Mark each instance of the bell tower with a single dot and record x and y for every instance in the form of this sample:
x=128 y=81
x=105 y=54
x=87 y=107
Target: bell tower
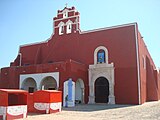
x=66 y=21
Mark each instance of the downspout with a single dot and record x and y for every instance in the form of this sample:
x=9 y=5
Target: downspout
x=138 y=65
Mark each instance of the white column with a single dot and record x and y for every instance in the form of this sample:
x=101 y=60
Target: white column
x=111 y=89
x=111 y=94
x=91 y=89
x=91 y=95
x=82 y=97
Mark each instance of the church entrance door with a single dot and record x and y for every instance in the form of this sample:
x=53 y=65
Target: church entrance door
x=101 y=90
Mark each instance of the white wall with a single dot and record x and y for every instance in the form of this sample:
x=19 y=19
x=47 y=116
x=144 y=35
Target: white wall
x=38 y=77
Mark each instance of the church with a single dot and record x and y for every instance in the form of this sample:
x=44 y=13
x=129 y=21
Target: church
x=108 y=65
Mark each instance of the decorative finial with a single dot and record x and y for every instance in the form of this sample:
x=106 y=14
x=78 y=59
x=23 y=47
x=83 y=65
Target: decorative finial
x=66 y=4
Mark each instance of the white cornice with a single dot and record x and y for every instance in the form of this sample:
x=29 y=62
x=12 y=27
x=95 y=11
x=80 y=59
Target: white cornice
x=107 y=28
x=66 y=18
x=138 y=65
x=82 y=32
x=36 y=42
x=33 y=43
x=65 y=24
x=66 y=10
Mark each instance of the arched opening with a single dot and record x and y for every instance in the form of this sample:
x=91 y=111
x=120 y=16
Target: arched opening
x=65 y=14
x=101 y=56
x=30 y=85
x=69 y=26
x=48 y=83
x=61 y=28
x=79 y=91
x=101 y=90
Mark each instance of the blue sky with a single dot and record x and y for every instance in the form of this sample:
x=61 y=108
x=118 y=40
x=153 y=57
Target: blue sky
x=29 y=21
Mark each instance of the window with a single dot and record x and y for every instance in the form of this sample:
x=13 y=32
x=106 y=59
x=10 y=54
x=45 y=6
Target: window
x=101 y=56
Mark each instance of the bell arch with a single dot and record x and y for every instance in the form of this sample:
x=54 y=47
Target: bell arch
x=61 y=28
x=69 y=26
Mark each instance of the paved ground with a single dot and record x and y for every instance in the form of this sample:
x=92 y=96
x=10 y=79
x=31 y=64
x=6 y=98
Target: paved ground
x=147 y=111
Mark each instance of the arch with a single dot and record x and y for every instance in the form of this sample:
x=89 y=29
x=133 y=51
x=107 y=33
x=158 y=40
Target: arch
x=48 y=83
x=69 y=26
x=100 y=48
x=79 y=91
x=101 y=90
x=65 y=13
x=29 y=84
x=61 y=28
x=103 y=75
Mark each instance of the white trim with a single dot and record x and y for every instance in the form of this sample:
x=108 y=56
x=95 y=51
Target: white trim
x=101 y=70
x=61 y=28
x=66 y=25
x=29 y=44
x=96 y=51
x=69 y=21
x=67 y=11
x=138 y=66
x=38 y=77
x=60 y=24
x=107 y=28
x=69 y=26
x=81 y=32
x=66 y=18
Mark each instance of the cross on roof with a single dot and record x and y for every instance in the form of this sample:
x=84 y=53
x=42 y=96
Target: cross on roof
x=66 y=4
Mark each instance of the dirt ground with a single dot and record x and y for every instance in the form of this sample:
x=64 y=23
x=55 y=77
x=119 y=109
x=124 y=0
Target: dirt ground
x=147 y=111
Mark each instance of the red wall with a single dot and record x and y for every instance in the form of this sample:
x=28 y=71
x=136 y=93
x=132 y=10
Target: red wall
x=73 y=53
x=67 y=69
x=80 y=47
x=149 y=81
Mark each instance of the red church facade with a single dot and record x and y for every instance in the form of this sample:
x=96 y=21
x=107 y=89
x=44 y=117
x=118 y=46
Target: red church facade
x=109 y=65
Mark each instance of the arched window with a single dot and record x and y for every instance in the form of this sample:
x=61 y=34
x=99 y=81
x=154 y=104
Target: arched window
x=61 y=28
x=101 y=56
x=69 y=26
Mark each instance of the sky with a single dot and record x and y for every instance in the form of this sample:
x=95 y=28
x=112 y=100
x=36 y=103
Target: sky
x=29 y=21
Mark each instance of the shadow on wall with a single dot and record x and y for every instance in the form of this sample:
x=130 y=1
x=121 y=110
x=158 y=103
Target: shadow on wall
x=94 y=107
